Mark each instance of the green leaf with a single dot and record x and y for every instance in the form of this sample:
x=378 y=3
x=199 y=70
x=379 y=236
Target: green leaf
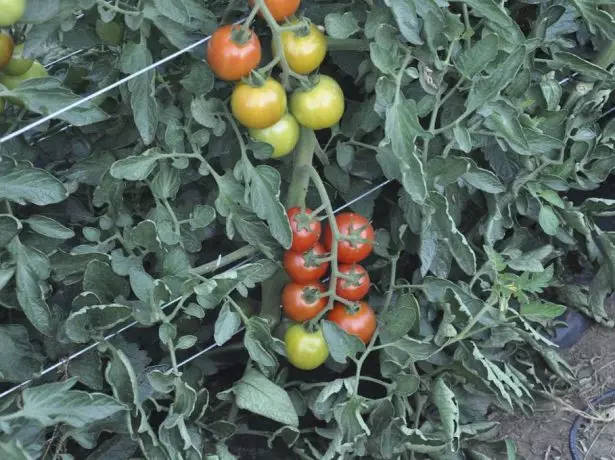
x=120 y=374
x=341 y=25
x=202 y=216
x=186 y=342
x=541 y=311
x=580 y=65
x=406 y=384
x=402 y=128
x=200 y=79
x=531 y=261
x=472 y=60
x=503 y=119
x=597 y=19
x=548 y=220
x=19 y=359
x=400 y=318
x=265 y=184
x=448 y=409
x=498 y=19
x=259 y=395
x=463 y=138
x=487 y=88
x=54 y=403
x=259 y=342
x=136 y=167
x=227 y=324
x=341 y=344
x=482 y=179
x=407 y=20
x=89 y=322
x=49 y=227
x=166 y=182
x=22 y=183
x=9 y=228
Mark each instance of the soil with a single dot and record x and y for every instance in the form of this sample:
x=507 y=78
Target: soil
x=544 y=435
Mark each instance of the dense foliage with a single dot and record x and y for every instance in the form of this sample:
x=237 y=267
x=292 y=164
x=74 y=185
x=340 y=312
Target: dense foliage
x=484 y=118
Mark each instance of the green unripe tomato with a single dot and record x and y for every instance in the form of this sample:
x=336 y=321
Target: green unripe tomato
x=320 y=106
x=36 y=71
x=11 y=11
x=18 y=65
x=282 y=136
x=304 y=349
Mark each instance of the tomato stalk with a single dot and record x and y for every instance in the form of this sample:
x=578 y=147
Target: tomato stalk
x=300 y=179
x=276 y=32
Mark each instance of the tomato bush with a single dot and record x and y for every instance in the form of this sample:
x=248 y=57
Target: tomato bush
x=472 y=142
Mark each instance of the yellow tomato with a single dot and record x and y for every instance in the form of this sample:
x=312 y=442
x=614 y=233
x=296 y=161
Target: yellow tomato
x=319 y=107
x=282 y=136
x=6 y=49
x=11 y=11
x=304 y=52
x=18 y=65
x=259 y=106
x=304 y=349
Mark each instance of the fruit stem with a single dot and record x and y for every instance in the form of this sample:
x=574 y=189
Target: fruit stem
x=300 y=179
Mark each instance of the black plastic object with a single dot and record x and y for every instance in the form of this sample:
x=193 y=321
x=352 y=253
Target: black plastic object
x=569 y=334
x=574 y=430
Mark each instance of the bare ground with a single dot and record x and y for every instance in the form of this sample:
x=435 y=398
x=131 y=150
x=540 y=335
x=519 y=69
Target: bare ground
x=544 y=435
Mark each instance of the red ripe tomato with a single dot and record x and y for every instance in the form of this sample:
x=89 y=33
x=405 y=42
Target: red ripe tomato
x=303 y=267
x=354 y=289
x=230 y=58
x=357 y=237
x=280 y=9
x=359 y=320
x=303 y=301
x=306 y=229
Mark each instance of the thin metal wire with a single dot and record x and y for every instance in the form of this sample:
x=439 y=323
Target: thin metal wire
x=106 y=89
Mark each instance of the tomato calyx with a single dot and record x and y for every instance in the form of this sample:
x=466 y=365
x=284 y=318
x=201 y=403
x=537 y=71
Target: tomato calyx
x=303 y=220
x=354 y=235
x=300 y=28
x=352 y=308
x=312 y=294
x=314 y=260
x=353 y=277
x=256 y=79
x=241 y=35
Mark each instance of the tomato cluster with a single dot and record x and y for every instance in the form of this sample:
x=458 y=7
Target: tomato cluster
x=305 y=297
x=259 y=102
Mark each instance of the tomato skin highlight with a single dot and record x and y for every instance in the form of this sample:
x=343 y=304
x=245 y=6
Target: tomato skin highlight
x=361 y=323
x=295 y=264
x=304 y=53
x=229 y=59
x=300 y=301
x=259 y=107
x=303 y=238
x=304 y=349
x=319 y=107
x=7 y=47
x=11 y=11
x=282 y=136
x=348 y=289
x=350 y=224
x=280 y=9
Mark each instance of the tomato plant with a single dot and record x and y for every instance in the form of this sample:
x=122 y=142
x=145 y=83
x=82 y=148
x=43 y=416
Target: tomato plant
x=259 y=107
x=472 y=143
x=320 y=106
x=306 y=229
x=303 y=301
x=355 y=282
x=6 y=50
x=307 y=266
x=282 y=136
x=357 y=237
x=11 y=11
x=305 y=51
x=233 y=52
x=358 y=319
x=304 y=349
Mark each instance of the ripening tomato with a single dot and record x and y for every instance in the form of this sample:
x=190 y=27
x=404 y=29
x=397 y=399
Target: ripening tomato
x=231 y=56
x=303 y=301
x=7 y=46
x=359 y=320
x=355 y=288
x=36 y=71
x=319 y=107
x=303 y=267
x=282 y=136
x=305 y=229
x=11 y=11
x=304 y=349
x=18 y=65
x=259 y=106
x=357 y=237
x=280 y=9
x=304 y=52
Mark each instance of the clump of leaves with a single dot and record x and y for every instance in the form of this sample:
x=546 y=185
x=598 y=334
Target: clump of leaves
x=490 y=123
